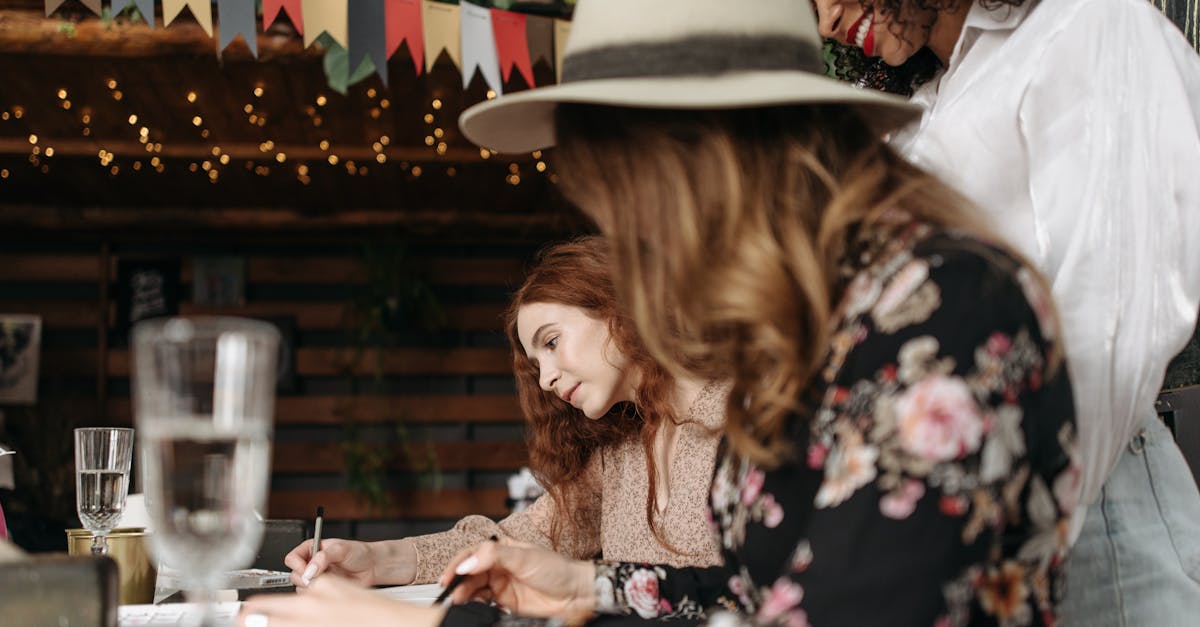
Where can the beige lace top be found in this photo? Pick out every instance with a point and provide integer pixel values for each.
(620, 482)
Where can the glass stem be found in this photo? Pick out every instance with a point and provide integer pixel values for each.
(204, 594)
(99, 544)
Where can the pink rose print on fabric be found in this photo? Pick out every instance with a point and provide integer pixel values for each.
(641, 591)
(752, 486)
(938, 419)
(782, 599)
(901, 503)
(772, 512)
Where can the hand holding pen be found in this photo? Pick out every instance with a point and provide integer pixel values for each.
(526, 579)
(347, 558)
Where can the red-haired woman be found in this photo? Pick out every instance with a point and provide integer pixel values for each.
(624, 449)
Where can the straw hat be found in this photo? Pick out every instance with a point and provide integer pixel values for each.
(680, 54)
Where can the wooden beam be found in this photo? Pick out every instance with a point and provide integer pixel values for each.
(344, 505)
(75, 147)
(329, 457)
(276, 220)
(365, 410)
(320, 361)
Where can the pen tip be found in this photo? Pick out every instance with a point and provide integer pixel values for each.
(320, 511)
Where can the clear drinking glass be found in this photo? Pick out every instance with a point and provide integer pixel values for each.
(102, 458)
(204, 394)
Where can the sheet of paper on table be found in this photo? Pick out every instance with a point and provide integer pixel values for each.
(421, 594)
(172, 614)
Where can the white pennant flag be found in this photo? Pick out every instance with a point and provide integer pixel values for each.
(479, 46)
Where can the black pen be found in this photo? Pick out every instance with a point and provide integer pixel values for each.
(317, 529)
(458, 579)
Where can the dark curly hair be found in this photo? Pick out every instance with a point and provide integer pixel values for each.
(848, 62)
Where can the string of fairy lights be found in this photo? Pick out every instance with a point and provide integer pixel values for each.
(273, 155)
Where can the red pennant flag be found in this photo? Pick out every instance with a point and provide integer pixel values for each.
(508, 27)
(271, 9)
(403, 19)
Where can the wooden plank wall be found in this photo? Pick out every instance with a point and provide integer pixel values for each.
(451, 389)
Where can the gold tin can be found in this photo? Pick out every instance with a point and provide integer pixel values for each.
(127, 547)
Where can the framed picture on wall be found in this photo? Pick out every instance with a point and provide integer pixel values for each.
(20, 350)
(146, 288)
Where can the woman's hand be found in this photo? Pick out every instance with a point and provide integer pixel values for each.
(331, 600)
(525, 579)
(347, 558)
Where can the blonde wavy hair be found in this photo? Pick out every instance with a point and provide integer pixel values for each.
(728, 232)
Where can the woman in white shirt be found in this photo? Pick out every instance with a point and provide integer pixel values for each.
(1073, 125)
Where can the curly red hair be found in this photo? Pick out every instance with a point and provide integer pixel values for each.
(561, 439)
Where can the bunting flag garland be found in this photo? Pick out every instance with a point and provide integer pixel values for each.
(326, 16)
(145, 7)
(539, 37)
(237, 18)
(367, 36)
(479, 46)
(404, 24)
(441, 32)
(512, 46)
(270, 9)
(562, 30)
(93, 5)
(201, 10)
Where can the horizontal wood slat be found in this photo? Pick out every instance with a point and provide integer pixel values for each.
(320, 361)
(408, 504)
(314, 457)
(314, 316)
(338, 410)
(400, 361)
(57, 268)
(57, 314)
(288, 270)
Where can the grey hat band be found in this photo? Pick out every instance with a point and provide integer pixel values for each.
(694, 56)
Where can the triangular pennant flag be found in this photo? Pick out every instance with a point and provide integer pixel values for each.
(404, 24)
(479, 46)
(562, 30)
(512, 49)
(539, 35)
(367, 33)
(145, 7)
(441, 32)
(271, 9)
(326, 16)
(94, 5)
(201, 10)
(237, 18)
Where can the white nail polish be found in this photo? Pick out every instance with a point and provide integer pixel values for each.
(467, 565)
(309, 573)
(256, 620)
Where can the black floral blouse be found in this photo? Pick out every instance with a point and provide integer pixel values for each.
(937, 470)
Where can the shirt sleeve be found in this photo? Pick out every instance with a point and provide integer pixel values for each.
(532, 525)
(1111, 126)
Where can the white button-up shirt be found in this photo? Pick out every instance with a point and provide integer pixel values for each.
(1075, 126)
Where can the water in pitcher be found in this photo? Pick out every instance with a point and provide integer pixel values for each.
(203, 487)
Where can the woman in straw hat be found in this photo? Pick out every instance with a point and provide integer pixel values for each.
(624, 449)
(898, 432)
(1075, 126)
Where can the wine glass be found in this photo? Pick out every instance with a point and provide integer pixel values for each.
(204, 394)
(102, 458)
